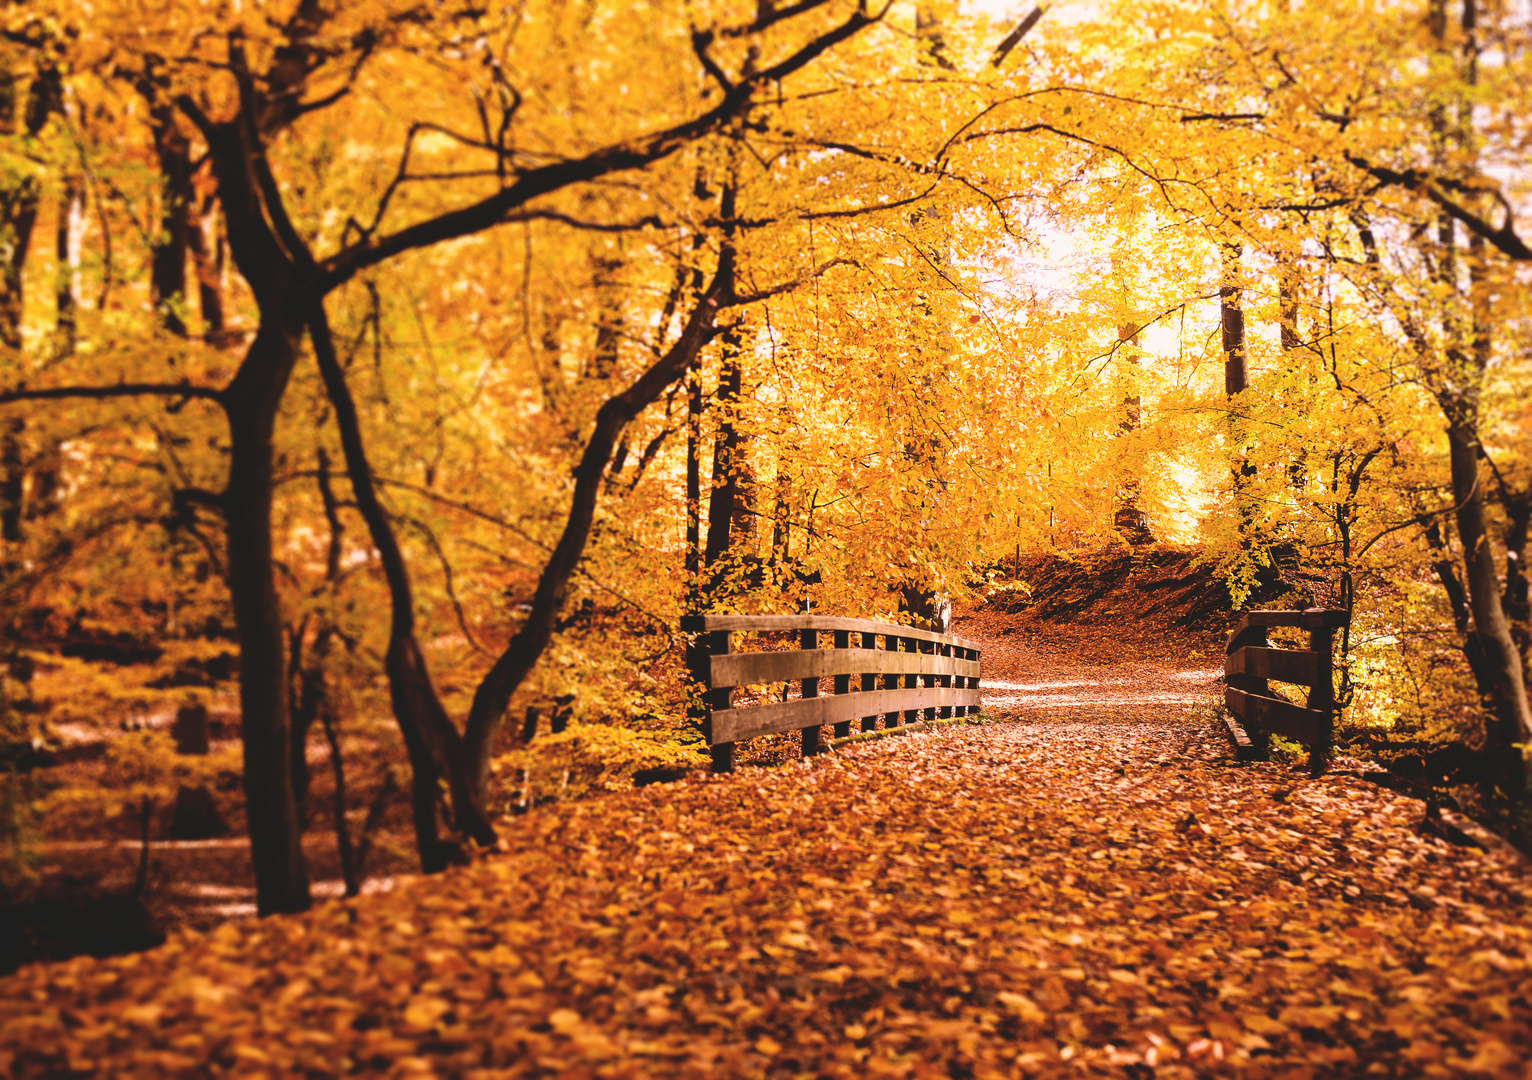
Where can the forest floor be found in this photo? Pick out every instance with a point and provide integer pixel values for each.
(1085, 884)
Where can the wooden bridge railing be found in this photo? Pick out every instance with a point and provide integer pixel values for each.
(1252, 664)
(915, 672)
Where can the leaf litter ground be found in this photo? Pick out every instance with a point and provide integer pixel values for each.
(1088, 886)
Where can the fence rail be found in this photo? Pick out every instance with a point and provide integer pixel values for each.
(915, 672)
(1252, 664)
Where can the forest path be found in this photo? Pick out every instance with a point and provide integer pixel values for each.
(1091, 889)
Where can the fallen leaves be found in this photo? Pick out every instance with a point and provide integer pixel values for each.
(1016, 899)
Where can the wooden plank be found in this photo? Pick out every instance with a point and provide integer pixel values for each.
(1273, 714)
(696, 623)
(733, 725)
(1310, 618)
(1244, 749)
(751, 669)
(1284, 665)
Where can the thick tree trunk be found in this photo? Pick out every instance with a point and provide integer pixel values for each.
(252, 401)
(1497, 661)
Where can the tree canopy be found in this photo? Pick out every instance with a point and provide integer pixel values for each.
(428, 361)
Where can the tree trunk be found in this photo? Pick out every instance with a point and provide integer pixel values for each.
(1235, 379)
(252, 401)
(67, 251)
(167, 277)
(725, 487)
(207, 256)
(433, 743)
(514, 664)
(19, 199)
(1498, 663)
(1130, 520)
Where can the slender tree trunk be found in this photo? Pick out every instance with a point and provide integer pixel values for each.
(167, 277)
(514, 664)
(726, 448)
(1447, 576)
(1289, 286)
(67, 252)
(20, 196)
(1130, 520)
(433, 743)
(1235, 379)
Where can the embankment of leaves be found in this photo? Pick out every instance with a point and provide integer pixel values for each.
(1178, 588)
(1017, 899)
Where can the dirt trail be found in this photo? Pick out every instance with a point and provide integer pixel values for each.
(1089, 888)
(1040, 671)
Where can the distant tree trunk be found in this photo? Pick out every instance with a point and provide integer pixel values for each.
(1288, 286)
(1287, 303)
(1130, 520)
(726, 453)
(781, 514)
(1235, 379)
(207, 255)
(67, 252)
(167, 271)
(694, 488)
(604, 354)
(20, 195)
(1447, 575)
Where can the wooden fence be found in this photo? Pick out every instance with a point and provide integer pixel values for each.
(915, 672)
(1252, 664)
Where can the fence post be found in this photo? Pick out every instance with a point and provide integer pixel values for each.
(944, 650)
(930, 648)
(1322, 693)
(812, 744)
(720, 697)
(843, 682)
(911, 645)
(869, 682)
